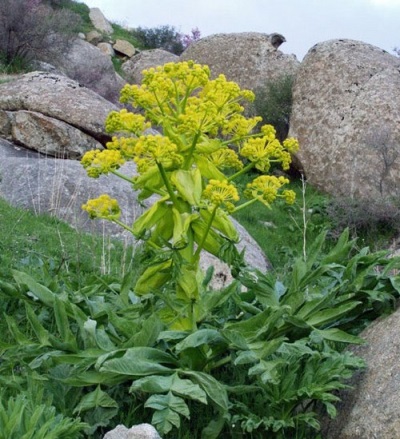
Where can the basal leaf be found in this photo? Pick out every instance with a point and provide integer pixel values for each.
(214, 390)
(199, 338)
(140, 361)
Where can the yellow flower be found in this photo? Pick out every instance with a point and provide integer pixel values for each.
(103, 207)
(291, 144)
(124, 121)
(98, 162)
(265, 189)
(150, 150)
(226, 158)
(269, 132)
(239, 126)
(221, 193)
(289, 196)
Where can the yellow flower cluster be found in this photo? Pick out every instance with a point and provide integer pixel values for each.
(291, 144)
(98, 162)
(103, 207)
(125, 145)
(165, 89)
(239, 126)
(264, 150)
(150, 150)
(265, 189)
(226, 158)
(124, 121)
(221, 194)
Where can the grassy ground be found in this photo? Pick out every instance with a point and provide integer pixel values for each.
(28, 241)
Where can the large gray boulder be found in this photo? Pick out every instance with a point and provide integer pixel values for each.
(99, 21)
(60, 187)
(91, 67)
(45, 134)
(144, 60)
(371, 409)
(59, 98)
(250, 58)
(346, 116)
(141, 431)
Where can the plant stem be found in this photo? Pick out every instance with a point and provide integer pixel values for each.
(242, 171)
(124, 177)
(247, 203)
(203, 240)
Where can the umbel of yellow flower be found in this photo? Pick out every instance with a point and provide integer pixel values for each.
(221, 194)
(265, 189)
(103, 207)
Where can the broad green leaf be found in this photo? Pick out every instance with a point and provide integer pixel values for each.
(41, 333)
(208, 169)
(215, 391)
(154, 277)
(262, 324)
(199, 338)
(63, 327)
(222, 223)
(94, 399)
(182, 222)
(146, 221)
(37, 290)
(331, 315)
(169, 408)
(189, 185)
(340, 251)
(337, 335)
(98, 336)
(140, 361)
(267, 370)
(188, 284)
(213, 429)
(213, 241)
(173, 383)
(149, 332)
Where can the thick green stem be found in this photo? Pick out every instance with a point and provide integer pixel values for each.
(188, 160)
(168, 185)
(203, 240)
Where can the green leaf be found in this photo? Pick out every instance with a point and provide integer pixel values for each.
(148, 334)
(63, 325)
(189, 185)
(182, 222)
(154, 277)
(169, 408)
(94, 399)
(222, 223)
(139, 361)
(41, 333)
(215, 391)
(172, 383)
(146, 221)
(331, 315)
(199, 338)
(37, 290)
(337, 335)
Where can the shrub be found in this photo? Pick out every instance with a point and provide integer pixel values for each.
(274, 104)
(30, 29)
(161, 37)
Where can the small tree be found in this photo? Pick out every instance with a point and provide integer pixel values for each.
(274, 104)
(30, 29)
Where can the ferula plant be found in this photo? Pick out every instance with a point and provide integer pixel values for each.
(206, 144)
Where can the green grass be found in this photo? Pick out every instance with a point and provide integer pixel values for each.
(30, 241)
(124, 34)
